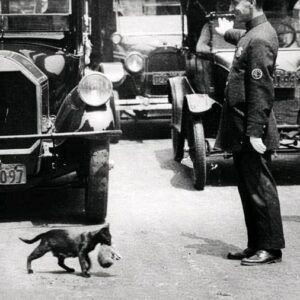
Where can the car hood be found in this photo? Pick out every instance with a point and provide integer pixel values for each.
(287, 59)
(54, 63)
(146, 44)
(145, 33)
(59, 67)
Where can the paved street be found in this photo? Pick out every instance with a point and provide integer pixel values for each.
(173, 239)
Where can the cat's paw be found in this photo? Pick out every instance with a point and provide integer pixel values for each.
(70, 270)
(86, 275)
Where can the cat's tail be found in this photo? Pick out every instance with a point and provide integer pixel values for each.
(35, 239)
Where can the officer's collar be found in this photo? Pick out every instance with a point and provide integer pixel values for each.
(256, 21)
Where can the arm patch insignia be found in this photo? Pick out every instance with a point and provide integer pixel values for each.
(256, 74)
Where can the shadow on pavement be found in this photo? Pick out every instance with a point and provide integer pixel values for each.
(221, 172)
(102, 274)
(62, 272)
(145, 129)
(210, 247)
(62, 205)
(182, 178)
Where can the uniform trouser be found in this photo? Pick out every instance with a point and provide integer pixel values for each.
(260, 201)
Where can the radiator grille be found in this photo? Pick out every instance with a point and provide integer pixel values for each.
(18, 109)
(287, 106)
(162, 64)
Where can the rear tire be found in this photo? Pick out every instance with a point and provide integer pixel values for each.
(199, 155)
(96, 193)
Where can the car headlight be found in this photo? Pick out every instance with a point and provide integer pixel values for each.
(116, 38)
(134, 62)
(95, 89)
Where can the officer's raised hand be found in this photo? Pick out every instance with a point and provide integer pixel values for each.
(224, 25)
(258, 144)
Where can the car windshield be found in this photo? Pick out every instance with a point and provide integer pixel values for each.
(34, 16)
(284, 15)
(32, 7)
(149, 17)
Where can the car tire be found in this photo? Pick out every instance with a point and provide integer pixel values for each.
(178, 145)
(177, 137)
(2, 203)
(96, 192)
(199, 159)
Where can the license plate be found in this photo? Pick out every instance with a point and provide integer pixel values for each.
(160, 79)
(12, 174)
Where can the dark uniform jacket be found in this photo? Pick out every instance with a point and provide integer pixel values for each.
(249, 93)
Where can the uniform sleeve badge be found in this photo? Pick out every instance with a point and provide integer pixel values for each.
(257, 74)
(238, 52)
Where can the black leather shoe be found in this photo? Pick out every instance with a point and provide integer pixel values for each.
(242, 254)
(262, 257)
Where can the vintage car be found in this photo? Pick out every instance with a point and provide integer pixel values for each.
(55, 117)
(147, 45)
(197, 98)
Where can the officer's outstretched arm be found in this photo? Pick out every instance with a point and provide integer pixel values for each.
(225, 29)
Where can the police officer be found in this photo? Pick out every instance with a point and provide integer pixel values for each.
(248, 129)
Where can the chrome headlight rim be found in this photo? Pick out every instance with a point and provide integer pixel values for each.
(116, 38)
(128, 64)
(95, 89)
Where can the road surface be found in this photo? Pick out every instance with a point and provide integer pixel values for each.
(173, 239)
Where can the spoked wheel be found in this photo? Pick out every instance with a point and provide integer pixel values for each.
(198, 153)
(96, 192)
(286, 33)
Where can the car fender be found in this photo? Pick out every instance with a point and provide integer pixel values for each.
(199, 103)
(96, 120)
(74, 115)
(114, 71)
(178, 87)
(68, 118)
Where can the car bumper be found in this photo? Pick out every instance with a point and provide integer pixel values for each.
(143, 104)
(32, 161)
(84, 134)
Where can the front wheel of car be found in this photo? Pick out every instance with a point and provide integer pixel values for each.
(96, 193)
(2, 203)
(199, 155)
(177, 138)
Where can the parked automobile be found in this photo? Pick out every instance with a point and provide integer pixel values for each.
(147, 47)
(55, 118)
(197, 98)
